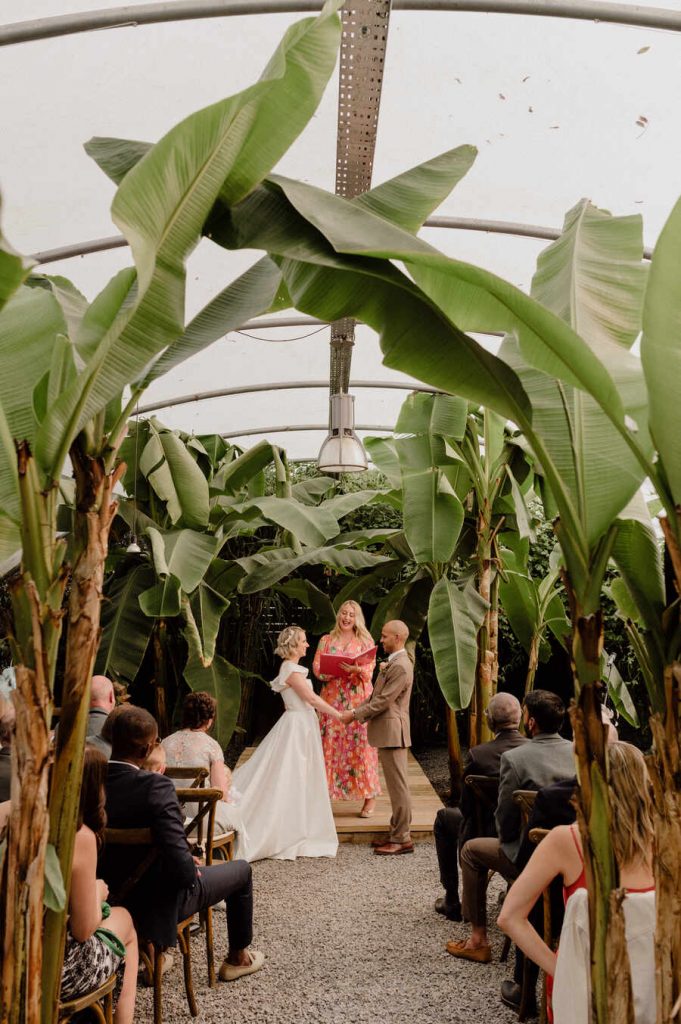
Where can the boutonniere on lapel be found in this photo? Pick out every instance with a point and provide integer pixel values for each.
(383, 666)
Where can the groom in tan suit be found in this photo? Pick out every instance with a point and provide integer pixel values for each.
(386, 713)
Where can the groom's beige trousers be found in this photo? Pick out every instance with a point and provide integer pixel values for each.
(394, 764)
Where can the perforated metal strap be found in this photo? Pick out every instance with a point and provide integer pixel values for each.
(362, 60)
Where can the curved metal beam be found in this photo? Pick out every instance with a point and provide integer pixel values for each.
(497, 227)
(294, 385)
(300, 426)
(188, 10)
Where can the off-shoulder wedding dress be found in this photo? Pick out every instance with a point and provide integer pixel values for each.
(284, 808)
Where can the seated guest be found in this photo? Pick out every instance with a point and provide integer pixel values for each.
(90, 957)
(156, 762)
(192, 747)
(560, 854)
(102, 703)
(454, 826)
(174, 887)
(6, 732)
(547, 758)
(555, 805)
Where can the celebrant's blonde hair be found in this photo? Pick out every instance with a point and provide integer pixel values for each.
(360, 627)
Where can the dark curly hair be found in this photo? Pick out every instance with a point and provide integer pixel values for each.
(92, 809)
(197, 710)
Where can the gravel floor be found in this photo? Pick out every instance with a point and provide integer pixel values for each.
(349, 941)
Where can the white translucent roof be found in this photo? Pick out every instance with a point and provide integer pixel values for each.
(558, 109)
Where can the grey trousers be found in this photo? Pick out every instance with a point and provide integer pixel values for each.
(478, 858)
(394, 764)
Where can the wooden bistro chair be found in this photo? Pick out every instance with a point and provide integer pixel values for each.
(485, 795)
(196, 777)
(193, 777)
(99, 1002)
(535, 836)
(142, 838)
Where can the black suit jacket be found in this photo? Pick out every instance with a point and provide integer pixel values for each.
(484, 760)
(552, 806)
(5, 772)
(139, 799)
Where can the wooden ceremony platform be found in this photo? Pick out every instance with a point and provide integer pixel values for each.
(353, 829)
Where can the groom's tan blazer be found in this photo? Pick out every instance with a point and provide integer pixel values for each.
(386, 712)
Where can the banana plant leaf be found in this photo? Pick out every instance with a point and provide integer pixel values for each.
(164, 200)
(267, 568)
(203, 612)
(383, 454)
(311, 491)
(357, 589)
(175, 477)
(454, 618)
(238, 473)
(432, 415)
(185, 554)
(312, 597)
(408, 601)
(125, 628)
(223, 681)
(163, 600)
(618, 691)
(433, 515)
(661, 350)
(310, 524)
(29, 324)
(411, 197)
(13, 270)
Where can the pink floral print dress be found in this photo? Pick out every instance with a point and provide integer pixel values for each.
(351, 764)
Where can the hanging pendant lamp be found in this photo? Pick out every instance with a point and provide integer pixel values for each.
(342, 451)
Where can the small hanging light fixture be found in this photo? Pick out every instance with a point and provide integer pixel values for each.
(342, 451)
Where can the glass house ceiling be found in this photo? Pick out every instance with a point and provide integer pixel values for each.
(558, 109)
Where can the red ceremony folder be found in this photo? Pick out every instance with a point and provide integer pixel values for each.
(330, 664)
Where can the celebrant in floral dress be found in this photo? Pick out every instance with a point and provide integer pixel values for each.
(351, 764)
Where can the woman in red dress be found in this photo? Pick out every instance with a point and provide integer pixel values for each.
(351, 764)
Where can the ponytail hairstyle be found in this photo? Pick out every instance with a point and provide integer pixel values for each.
(630, 803)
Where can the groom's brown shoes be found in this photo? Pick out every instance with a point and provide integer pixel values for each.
(479, 954)
(393, 849)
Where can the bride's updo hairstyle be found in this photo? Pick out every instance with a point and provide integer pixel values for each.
(288, 640)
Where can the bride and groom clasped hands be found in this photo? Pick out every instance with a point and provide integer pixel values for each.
(285, 808)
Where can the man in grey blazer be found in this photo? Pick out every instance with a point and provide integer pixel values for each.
(386, 713)
(547, 759)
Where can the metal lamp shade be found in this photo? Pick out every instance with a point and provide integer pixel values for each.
(342, 451)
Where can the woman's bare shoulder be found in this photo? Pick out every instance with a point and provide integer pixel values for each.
(85, 847)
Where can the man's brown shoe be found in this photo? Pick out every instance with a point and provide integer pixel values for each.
(380, 842)
(479, 955)
(393, 849)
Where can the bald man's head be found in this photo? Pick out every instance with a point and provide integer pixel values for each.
(102, 693)
(394, 636)
(503, 712)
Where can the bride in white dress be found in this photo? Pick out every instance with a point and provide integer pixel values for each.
(285, 811)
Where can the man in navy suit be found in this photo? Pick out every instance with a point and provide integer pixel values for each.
(174, 887)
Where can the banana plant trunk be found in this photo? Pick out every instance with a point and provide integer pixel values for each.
(533, 663)
(454, 756)
(612, 1002)
(666, 776)
(160, 636)
(486, 666)
(36, 597)
(95, 511)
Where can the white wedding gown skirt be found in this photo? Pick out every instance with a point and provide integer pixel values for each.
(285, 809)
